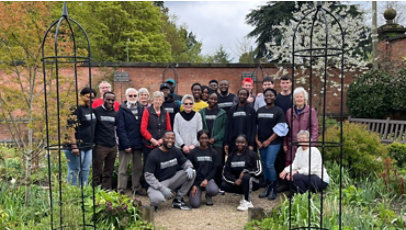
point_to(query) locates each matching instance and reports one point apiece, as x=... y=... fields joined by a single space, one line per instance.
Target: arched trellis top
x=318 y=51
x=175 y=73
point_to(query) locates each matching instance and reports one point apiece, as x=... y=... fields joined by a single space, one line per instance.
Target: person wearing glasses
x=198 y=103
x=130 y=142
x=186 y=125
x=104 y=87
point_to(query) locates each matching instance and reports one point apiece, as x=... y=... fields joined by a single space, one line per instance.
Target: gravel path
x=223 y=215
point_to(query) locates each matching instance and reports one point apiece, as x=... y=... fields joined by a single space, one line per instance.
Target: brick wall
x=392 y=54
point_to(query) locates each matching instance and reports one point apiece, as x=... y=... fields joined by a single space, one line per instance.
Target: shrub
x=399 y=92
x=363 y=152
x=397 y=151
x=370 y=95
x=394 y=182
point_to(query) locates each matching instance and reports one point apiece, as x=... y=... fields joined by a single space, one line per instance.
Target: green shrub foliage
x=397 y=151
x=370 y=95
x=399 y=92
x=363 y=152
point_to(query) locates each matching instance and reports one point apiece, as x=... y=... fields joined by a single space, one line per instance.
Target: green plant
x=116 y=211
x=363 y=152
x=393 y=182
x=397 y=151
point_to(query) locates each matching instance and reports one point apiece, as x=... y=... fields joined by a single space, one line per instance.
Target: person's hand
x=251 y=148
x=241 y=175
x=127 y=150
x=259 y=144
x=75 y=151
x=285 y=148
x=191 y=147
x=290 y=176
x=211 y=140
x=238 y=182
x=160 y=141
x=226 y=147
x=166 y=192
x=204 y=183
x=282 y=175
x=190 y=173
x=154 y=142
x=266 y=143
x=185 y=149
x=260 y=94
x=250 y=99
x=193 y=191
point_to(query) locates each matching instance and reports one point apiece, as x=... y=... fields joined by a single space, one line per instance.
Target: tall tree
x=220 y=56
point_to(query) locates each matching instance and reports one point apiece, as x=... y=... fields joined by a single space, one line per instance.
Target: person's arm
x=199 y=127
x=168 y=122
x=227 y=175
x=221 y=134
x=121 y=130
x=314 y=126
x=144 y=125
x=252 y=129
x=152 y=181
x=176 y=129
x=214 y=165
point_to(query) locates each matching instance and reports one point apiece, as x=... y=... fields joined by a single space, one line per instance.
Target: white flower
x=13 y=181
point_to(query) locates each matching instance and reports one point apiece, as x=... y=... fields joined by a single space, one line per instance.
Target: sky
x=223 y=23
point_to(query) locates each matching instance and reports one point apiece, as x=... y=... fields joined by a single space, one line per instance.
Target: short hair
x=194 y=84
x=127 y=91
x=213 y=81
x=303 y=132
x=157 y=94
x=225 y=80
x=186 y=97
x=205 y=87
x=272 y=90
x=201 y=132
x=143 y=90
x=106 y=93
x=247 y=80
x=286 y=78
x=104 y=82
x=87 y=90
x=238 y=92
x=243 y=136
x=300 y=90
x=267 y=79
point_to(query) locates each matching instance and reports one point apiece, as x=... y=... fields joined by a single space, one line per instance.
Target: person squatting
x=209 y=142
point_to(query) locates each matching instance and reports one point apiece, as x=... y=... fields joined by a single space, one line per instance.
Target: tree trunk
x=27 y=179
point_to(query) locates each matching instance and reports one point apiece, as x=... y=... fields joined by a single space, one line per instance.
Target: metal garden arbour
x=53 y=63
x=319 y=15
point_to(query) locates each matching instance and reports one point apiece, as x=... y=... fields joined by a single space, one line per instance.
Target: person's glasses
x=188 y=103
x=131 y=95
x=105 y=87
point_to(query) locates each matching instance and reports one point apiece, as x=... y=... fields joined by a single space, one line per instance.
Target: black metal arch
x=52 y=62
x=311 y=53
x=174 y=71
x=258 y=80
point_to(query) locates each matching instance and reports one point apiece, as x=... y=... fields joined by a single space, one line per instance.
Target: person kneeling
x=299 y=177
x=204 y=159
x=163 y=176
x=241 y=172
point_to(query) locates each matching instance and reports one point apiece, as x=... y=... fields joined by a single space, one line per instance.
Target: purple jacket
x=300 y=122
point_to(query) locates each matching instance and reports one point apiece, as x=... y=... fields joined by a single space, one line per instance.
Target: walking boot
x=272 y=191
x=267 y=190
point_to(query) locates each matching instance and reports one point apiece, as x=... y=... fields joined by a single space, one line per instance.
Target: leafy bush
x=370 y=95
x=397 y=151
x=394 y=182
x=399 y=92
x=363 y=153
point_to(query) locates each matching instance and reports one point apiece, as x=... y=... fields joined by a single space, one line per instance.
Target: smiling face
x=168 y=140
x=108 y=101
x=197 y=92
x=143 y=98
x=104 y=87
x=286 y=85
x=242 y=96
x=212 y=100
x=241 y=143
x=158 y=101
x=132 y=96
x=267 y=85
x=204 y=140
x=248 y=85
x=86 y=98
x=269 y=97
x=213 y=86
x=205 y=94
x=188 y=105
x=224 y=86
x=299 y=99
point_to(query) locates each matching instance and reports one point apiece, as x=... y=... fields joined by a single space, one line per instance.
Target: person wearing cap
x=104 y=86
x=172 y=84
x=170 y=105
x=267 y=83
x=248 y=84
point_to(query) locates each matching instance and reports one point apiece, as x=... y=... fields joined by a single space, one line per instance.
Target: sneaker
x=242 y=199
x=209 y=201
x=180 y=204
x=222 y=192
x=245 y=205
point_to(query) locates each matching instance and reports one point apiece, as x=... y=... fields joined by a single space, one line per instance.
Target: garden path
x=222 y=216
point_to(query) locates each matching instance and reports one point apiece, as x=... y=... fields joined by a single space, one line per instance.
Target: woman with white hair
x=154 y=123
x=143 y=96
x=186 y=125
x=304 y=118
x=304 y=178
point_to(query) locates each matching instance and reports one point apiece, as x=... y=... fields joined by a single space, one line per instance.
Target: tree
x=221 y=56
x=114 y=26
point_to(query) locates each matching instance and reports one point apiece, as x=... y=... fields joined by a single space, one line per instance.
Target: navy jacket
x=128 y=127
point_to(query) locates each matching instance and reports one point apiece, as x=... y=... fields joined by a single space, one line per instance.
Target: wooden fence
x=389 y=130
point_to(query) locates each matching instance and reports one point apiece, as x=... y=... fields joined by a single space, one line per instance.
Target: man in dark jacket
x=170 y=105
x=226 y=99
x=105 y=151
x=130 y=142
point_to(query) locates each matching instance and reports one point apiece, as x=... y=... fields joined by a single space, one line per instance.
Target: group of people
x=207 y=141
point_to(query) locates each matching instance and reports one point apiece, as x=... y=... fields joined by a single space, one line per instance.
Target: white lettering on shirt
x=169 y=110
x=204 y=158
x=265 y=115
x=238 y=164
x=240 y=114
x=170 y=163
x=88 y=117
x=211 y=117
x=107 y=118
x=225 y=104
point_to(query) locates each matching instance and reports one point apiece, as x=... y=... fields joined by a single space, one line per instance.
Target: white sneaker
x=245 y=205
x=242 y=200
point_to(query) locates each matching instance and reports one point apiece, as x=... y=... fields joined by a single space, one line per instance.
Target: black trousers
x=301 y=183
x=103 y=165
x=249 y=184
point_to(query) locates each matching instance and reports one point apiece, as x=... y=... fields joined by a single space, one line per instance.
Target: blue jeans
x=74 y=166
x=268 y=157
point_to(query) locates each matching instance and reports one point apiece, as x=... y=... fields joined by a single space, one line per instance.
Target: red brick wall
x=392 y=54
